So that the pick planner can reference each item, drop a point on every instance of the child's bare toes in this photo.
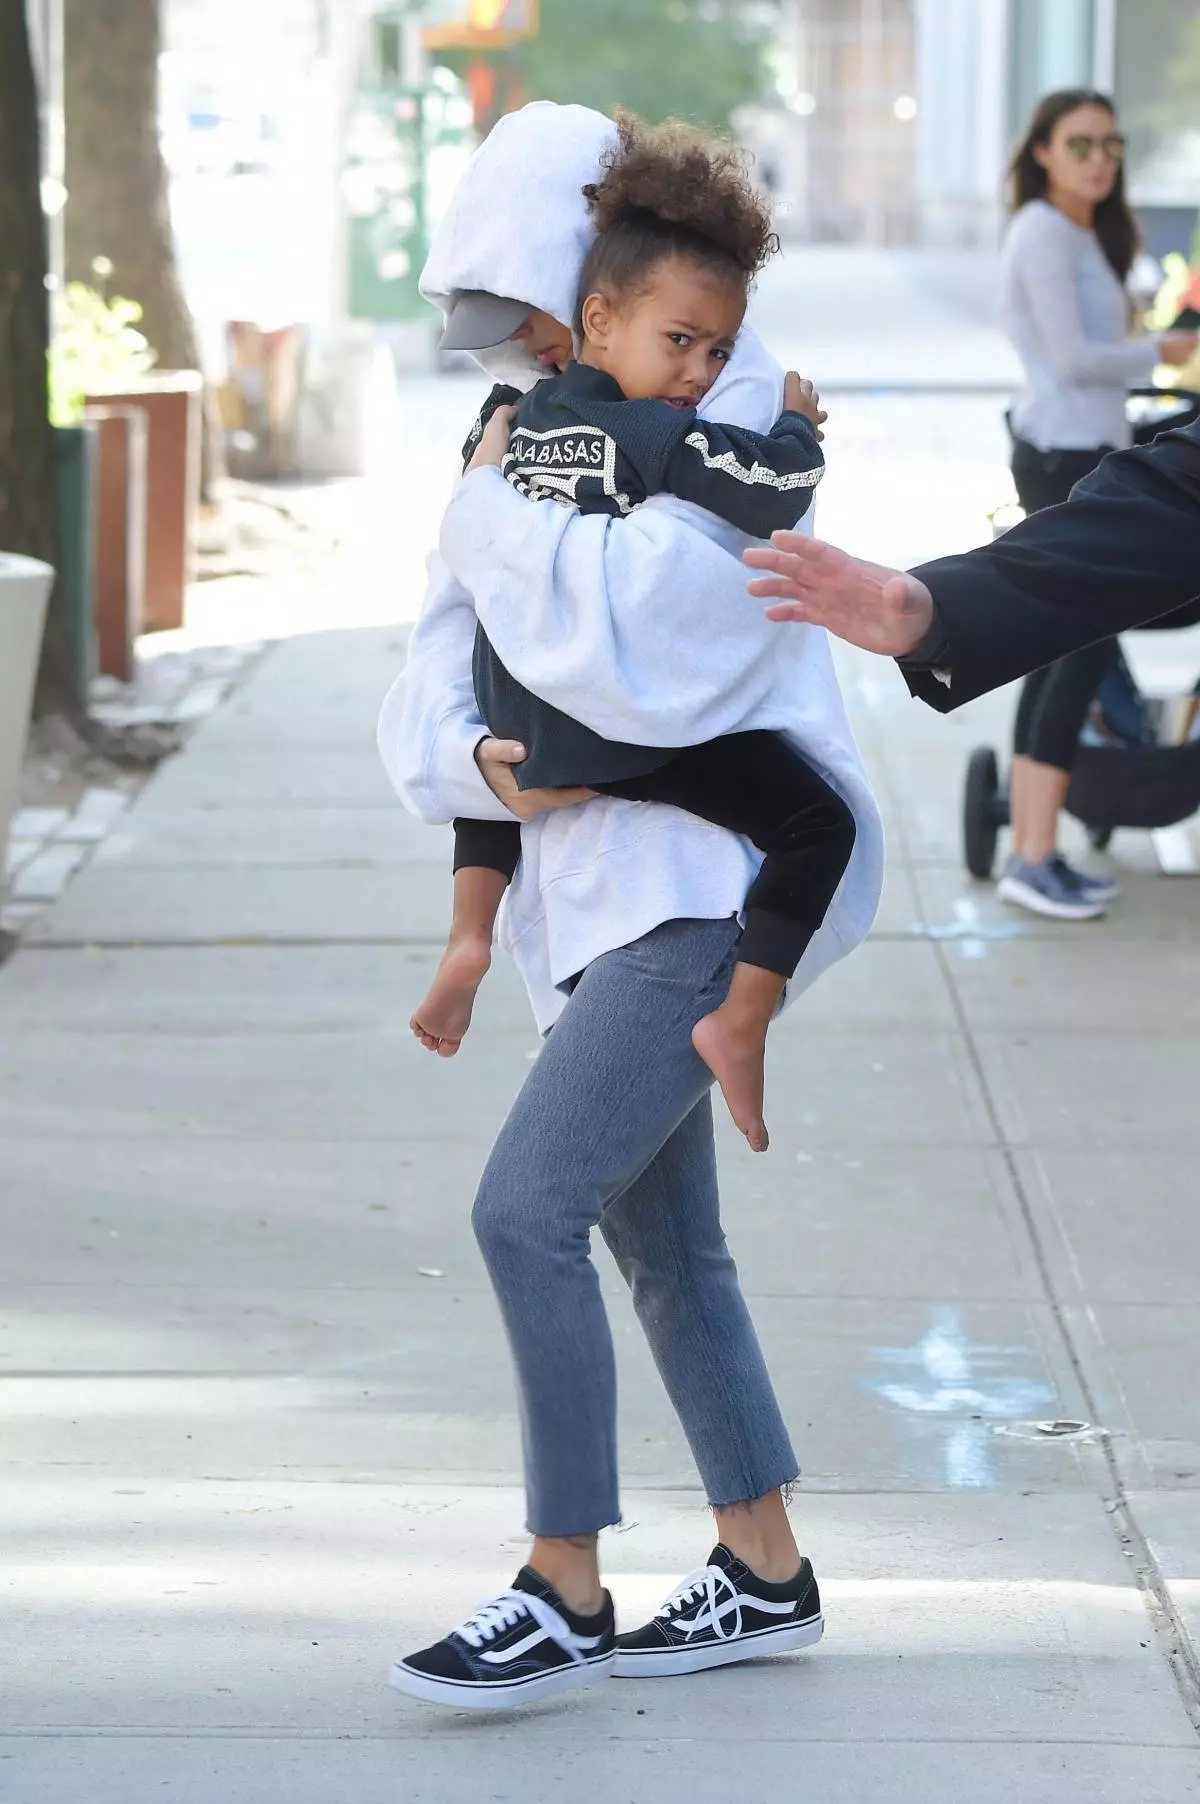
(429, 1041)
(758, 1136)
(445, 1015)
(735, 1057)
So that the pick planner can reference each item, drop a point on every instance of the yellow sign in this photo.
(486, 25)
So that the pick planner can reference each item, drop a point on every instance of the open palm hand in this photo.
(881, 610)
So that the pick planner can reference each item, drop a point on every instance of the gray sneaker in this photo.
(1101, 889)
(1046, 889)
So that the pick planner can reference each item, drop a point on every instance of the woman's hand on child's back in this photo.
(799, 396)
(493, 445)
(496, 757)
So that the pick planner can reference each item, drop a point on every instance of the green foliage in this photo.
(698, 59)
(95, 345)
(1169, 299)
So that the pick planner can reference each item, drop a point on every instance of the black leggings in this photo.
(1055, 701)
(756, 785)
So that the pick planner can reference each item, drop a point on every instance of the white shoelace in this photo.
(500, 1613)
(707, 1582)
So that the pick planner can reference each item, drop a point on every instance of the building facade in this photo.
(899, 114)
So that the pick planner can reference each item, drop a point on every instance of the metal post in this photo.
(344, 26)
(1104, 45)
(412, 51)
(874, 63)
(994, 126)
(322, 30)
(801, 126)
(46, 42)
(414, 74)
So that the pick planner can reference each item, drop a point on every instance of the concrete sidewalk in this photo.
(258, 1430)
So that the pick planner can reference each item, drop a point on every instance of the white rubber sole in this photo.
(1021, 895)
(665, 1663)
(498, 1694)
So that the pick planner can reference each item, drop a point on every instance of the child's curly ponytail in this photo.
(673, 190)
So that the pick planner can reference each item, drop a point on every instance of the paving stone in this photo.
(37, 823)
(47, 874)
(200, 700)
(16, 916)
(19, 852)
(101, 807)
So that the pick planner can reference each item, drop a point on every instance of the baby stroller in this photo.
(1125, 781)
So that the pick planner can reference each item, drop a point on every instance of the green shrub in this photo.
(95, 345)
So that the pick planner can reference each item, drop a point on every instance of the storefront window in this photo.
(1052, 46)
(1158, 88)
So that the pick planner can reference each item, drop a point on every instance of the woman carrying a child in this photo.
(623, 910)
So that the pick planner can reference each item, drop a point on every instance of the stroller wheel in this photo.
(1100, 838)
(985, 811)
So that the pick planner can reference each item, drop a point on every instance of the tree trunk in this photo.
(116, 179)
(28, 481)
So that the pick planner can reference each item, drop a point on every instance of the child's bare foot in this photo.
(442, 1020)
(734, 1046)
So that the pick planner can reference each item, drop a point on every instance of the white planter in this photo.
(24, 588)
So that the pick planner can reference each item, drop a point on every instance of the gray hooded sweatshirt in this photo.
(640, 628)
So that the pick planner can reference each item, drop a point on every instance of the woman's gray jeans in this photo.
(613, 1128)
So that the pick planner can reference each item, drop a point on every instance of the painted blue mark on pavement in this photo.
(968, 1386)
(974, 936)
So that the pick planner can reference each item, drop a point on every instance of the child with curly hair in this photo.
(681, 235)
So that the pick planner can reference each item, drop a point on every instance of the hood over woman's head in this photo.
(518, 225)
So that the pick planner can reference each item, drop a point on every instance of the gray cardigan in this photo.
(1067, 316)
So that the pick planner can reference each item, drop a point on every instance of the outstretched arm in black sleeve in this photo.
(1123, 551)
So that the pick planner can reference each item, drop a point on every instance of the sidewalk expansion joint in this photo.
(288, 1731)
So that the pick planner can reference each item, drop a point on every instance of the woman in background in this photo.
(1067, 256)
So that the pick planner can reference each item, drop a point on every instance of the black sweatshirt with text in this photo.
(578, 441)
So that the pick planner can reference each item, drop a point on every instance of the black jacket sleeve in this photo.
(501, 396)
(758, 482)
(1122, 552)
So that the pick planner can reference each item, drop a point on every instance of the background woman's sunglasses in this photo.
(1081, 146)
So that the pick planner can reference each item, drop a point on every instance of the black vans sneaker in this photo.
(722, 1614)
(521, 1645)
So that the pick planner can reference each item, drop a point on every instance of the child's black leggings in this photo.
(756, 785)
